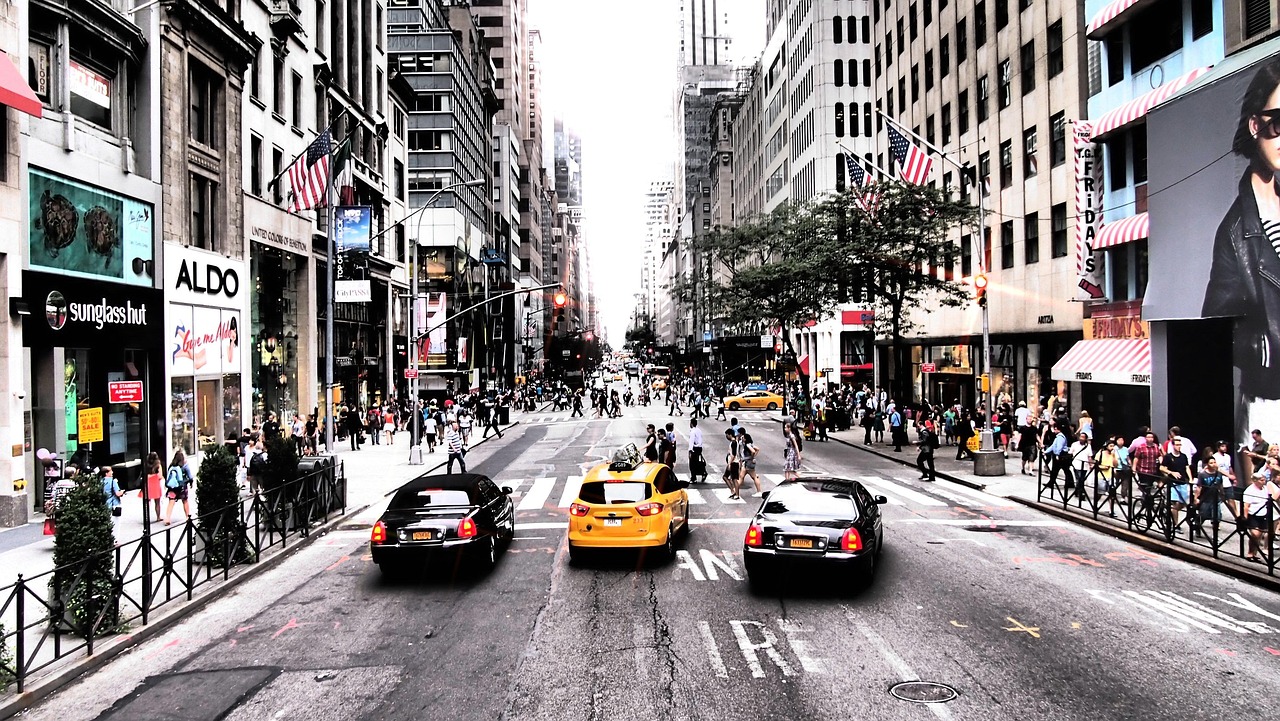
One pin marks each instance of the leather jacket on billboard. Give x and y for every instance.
(1244, 283)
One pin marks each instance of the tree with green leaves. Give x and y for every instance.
(799, 262)
(83, 585)
(894, 233)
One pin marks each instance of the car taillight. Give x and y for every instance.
(649, 509)
(466, 528)
(577, 509)
(851, 540)
(755, 536)
(379, 534)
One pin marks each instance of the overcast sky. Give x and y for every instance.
(609, 68)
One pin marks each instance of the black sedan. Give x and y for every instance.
(465, 515)
(818, 524)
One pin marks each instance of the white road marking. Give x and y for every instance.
(571, 488)
(749, 648)
(792, 630)
(890, 488)
(548, 526)
(984, 521)
(904, 671)
(723, 495)
(542, 526)
(986, 498)
(713, 651)
(536, 498)
(774, 478)
(695, 497)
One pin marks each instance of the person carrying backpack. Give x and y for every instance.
(928, 444)
(177, 482)
(257, 466)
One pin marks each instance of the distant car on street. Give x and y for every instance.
(754, 399)
(462, 516)
(628, 503)
(826, 527)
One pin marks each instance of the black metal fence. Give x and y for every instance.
(163, 565)
(1212, 518)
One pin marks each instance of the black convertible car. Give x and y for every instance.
(465, 515)
(818, 524)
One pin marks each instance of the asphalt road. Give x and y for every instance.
(1023, 615)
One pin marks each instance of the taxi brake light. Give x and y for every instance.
(379, 534)
(851, 540)
(649, 509)
(466, 528)
(577, 509)
(755, 536)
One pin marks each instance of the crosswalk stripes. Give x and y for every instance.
(572, 485)
(889, 488)
(537, 496)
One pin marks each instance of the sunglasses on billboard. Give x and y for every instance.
(1268, 123)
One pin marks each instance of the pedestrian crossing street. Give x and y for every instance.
(551, 493)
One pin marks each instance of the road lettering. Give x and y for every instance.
(707, 565)
(768, 643)
(800, 646)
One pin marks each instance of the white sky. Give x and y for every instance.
(609, 68)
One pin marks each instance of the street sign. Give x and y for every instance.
(124, 392)
(410, 372)
(706, 336)
(928, 368)
(90, 425)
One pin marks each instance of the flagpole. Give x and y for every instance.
(987, 436)
(867, 164)
(330, 405)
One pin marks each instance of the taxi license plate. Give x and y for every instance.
(802, 543)
(613, 521)
(423, 535)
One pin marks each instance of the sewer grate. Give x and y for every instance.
(923, 692)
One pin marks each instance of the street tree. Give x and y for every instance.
(894, 238)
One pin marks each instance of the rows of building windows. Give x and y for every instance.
(854, 78)
(845, 29)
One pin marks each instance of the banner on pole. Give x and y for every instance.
(353, 235)
(1089, 270)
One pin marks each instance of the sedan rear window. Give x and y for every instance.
(600, 492)
(807, 503)
(428, 498)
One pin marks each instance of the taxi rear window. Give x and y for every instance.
(601, 492)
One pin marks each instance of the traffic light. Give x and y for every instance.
(980, 289)
(560, 299)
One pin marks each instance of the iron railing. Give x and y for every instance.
(1145, 504)
(163, 565)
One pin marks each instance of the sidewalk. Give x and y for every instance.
(1023, 489)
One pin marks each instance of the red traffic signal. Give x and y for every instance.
(980, 288)
(560, 299)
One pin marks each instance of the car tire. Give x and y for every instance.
(734, 406)
(669, 548)
(772, 406)
(489, 555)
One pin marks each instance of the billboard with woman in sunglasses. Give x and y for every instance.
(1214, 204)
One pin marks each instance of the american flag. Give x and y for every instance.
(913, 163)
(858, 185)
(309, 174)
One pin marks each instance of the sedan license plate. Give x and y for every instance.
(801, 543)
(613, 521)
(423, 536)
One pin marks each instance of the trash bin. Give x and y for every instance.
(323, 483)
(504, 415)
(128, 475)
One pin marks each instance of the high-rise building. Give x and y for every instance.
(704, 38)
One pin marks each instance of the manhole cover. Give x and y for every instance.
(923, 692)
(985, 529)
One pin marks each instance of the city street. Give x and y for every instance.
(1024, 615)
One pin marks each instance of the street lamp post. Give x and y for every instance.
(415, 448)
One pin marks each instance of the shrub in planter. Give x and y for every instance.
(83, 582)
(8, 671)
(218, 502)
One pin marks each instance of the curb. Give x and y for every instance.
(109, 649)
(1181, 553)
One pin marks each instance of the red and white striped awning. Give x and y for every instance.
(1125, 230)
(1136, 109)
(1121, 362)
(1111, 17)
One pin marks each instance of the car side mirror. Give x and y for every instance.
(765, 495)
(881, 500)
(507, 490)
(682, 484)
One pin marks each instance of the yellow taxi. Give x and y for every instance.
(754, 399)
(659, 384)
(628, 503)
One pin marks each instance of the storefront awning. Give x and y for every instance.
(1136, 109)
(1113, 16)
(1125, 230)
(1122, 362)
(14, 90)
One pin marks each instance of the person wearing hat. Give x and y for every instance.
(928, 442)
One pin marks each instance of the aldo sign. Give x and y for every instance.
(202, 278)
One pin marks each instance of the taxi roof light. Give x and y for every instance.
(626, 458)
